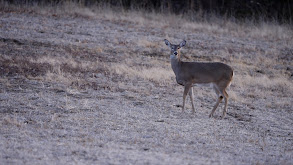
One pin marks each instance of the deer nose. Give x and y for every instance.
(175, 53)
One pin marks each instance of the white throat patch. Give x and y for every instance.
(173, 57)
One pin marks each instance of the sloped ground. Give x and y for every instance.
(99, 89)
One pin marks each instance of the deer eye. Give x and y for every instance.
(178, 48)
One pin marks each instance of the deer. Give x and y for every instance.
(188, 74)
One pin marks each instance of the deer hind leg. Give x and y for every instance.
(191, 99)
(226, 103)
(220, 98)
(186, 89)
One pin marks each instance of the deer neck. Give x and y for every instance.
(175, 64)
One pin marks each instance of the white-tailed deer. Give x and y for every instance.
(188, 74)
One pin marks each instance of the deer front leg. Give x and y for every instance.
(186, 89)
(191, 99)
(226, 102)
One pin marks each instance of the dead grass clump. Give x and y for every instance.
(204, 26)
(277, 83)
(68, 64)
(271, 31)
(11, 121)
(59, 76)
(75, 9)
(58, 69)
(22, 66)
(147, 44)
(263, 86)
(157, 74)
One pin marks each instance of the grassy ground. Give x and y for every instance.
(95, 86)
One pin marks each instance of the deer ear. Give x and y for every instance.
(167, 42)
(183, 43)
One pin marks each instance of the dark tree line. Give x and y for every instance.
(279, 10)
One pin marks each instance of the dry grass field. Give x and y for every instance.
(95, 86)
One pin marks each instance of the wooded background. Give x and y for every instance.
(267, 10)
